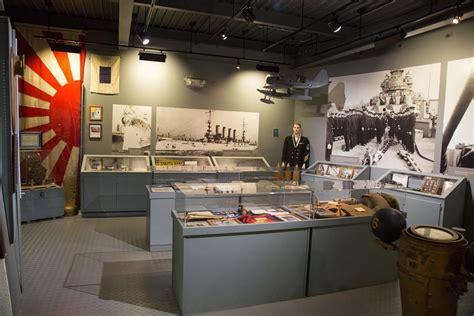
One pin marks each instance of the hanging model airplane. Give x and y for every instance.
(292, 84)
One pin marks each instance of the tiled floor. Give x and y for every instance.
(79, 266)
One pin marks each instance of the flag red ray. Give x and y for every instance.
(28, 89)
(63, 61)
(60, 167)
(26, 111)
(49, 146)
(34, 62)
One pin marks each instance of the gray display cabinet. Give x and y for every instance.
(41, 202)
(158, 217)
(432, 199)
(338, 175)
(270, 262)
(168, 169)
(230, 168)
(114, 185)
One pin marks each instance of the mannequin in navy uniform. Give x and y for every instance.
(296, 149)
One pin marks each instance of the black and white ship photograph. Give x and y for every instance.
(385, 118)
(184, 130)
(458, 132)
(131, 128)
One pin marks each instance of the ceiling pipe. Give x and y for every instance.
(366, 46)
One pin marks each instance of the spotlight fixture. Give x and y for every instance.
(334, 24)
(457, 18)
(224, 36)
(158, 57)
(248, 15)
(402, 33)
(238, 65)
(267, 68)
(144, 38)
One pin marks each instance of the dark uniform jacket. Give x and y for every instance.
(298, 155)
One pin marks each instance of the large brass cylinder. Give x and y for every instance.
(429, 266)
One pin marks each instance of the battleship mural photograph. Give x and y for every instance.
(387, 119)
(185, 131)
(131, 128)
(458, 133)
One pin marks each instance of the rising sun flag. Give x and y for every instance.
(50, 102)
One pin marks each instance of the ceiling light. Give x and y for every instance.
(334, 24)
(224, 36)
(402, 33)
(66, 48)
(457, 18)
(144, 38)
(267, 68)
(238, 65)
(158, 57)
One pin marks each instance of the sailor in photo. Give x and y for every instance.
(296, 149)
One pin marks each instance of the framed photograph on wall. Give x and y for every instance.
(95, 113)
(31, 140)
(95, 131)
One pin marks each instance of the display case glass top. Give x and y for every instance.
(335, 170)
(182, 164)
(115, 163)
(243, 164)
(237, 188)
(437, 185)
(276, 202)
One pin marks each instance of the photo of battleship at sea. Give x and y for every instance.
(386, 119)
(186, 131)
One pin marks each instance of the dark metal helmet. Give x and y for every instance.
(387, 224)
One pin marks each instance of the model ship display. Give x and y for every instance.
(214, 139)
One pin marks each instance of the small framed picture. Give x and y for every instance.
(95, 113)
(95, 131)
(31, 140)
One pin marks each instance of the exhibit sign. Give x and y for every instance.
(49, 94)
(458, 132)
(386, 119)
(131, 128)
(186, 131)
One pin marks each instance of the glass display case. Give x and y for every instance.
(115, 163)
(250, 226)
(167, 169)
(114, 185)
(242, 168)
(432, 199)
(336, 170)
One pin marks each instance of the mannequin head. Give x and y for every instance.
(296, 128)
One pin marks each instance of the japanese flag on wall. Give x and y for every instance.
(49, 95)
(105, 74)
